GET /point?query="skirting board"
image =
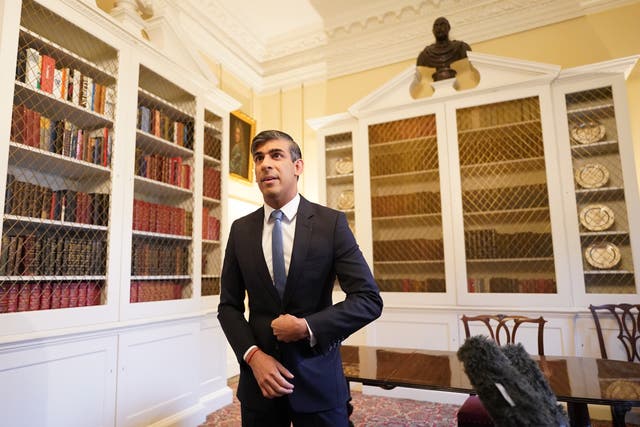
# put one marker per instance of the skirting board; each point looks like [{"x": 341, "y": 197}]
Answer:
[{"x": 197, "y": 414}]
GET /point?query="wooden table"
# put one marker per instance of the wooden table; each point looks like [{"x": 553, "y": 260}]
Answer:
[{"x": 576, "y": 380}]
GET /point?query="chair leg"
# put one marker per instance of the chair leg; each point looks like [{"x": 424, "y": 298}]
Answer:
[
  {"x": 578, "y": 414},
  {"x": 618, "y": 413}
]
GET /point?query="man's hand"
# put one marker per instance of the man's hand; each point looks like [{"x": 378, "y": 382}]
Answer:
[
  {"x": 288, "y": 328},
  {"x": 270, "y": 375}
]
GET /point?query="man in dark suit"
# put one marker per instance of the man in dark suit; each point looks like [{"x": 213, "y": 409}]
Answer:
[{"x": 289, "y": 349}]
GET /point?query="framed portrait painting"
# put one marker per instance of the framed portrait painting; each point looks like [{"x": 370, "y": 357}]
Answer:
[{"x": 241, "y": 132}]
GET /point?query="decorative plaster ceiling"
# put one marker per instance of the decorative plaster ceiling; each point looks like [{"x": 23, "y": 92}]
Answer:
[{"x": 270, "y": 44}]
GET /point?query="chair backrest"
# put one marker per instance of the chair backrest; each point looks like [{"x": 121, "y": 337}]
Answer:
[
  {"x": 628, "y": 318},
  {"x": 502, "y": 325}
]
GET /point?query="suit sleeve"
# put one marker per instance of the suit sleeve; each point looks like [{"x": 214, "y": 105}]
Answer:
[
  {"x": 231, "y": 307},
  {"x": 362, "y": 304}
]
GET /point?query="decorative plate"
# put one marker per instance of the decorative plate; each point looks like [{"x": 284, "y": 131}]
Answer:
[
  {"x": 596, "y": 217},
  {"x": 622, "y": 389},
  {"x": 344, "y": 165},
  {"x": 602, "y": 255},
  {"x": 346, "y": 200},
  {"x": 587, "y": 133},
  {"x": 592, "y": 175}
]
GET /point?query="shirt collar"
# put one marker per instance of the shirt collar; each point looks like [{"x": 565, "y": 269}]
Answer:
[{"x": 289, "y": 210}]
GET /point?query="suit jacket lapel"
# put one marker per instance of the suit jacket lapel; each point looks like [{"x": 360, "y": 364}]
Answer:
[
  {"x": 300, "y": 245},
  {"x": 254, "y": 236}
]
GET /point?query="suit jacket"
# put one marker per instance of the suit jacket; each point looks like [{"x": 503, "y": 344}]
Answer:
[{"x": 323, "y": 247}]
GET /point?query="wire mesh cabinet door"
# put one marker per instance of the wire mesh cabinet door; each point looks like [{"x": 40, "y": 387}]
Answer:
[
  {"x": 57, "y": 201},
  {"x": 596, "y": 148}
]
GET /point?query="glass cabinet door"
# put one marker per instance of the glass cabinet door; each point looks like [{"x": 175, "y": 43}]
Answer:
[
  {"x": 505, "y": 203},
  {"x": 607, "y": 261},
  {"x": 408, "y": 253}
]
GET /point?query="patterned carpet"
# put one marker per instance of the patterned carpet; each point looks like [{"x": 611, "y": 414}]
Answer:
[{"x": 371, "y": 411}]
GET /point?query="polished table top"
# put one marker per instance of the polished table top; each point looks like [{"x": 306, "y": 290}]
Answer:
[{"x": 573, "y": 379}]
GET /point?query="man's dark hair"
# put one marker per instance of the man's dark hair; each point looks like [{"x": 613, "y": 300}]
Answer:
[{"x": 268, "y": 135}]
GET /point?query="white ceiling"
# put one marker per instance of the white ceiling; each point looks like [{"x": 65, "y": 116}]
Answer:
[{"x": 270, "y": 44}]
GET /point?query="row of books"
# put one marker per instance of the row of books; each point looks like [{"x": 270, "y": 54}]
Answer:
[
  {"x": 211, "y": 186},
  {"x": 39, "y": 71},
  {"x": 505, "y": 198},
  {"x": 210, "y": 226},
  {"x": 155, "y": 290},
  {"x": 488, "y": 243},
  {"x": 516, "y": 143},
  {"x": 408, "y": 249},
  {"x": 414, "y": 158},
  {"x": 164, "y": 219},
  {"x": 498, "y": 114},
  {"x": 416, "y": 127},
  {"x": 212, "y": 143},
  {"x": 412, "y": 285},
  {"x": 30, "y": 128},
  {"x": 424, "y": 202},
  {"x": 36, "y": 201},
  {"x": 159, "y": 259},
  {"x": 52, "y": 255},
  {"x": 511, "y": 285},
  {"x": 210, "y": 286},
  {"x": 158, "y": 123},
  {"x": 170, "y": 170},
  {"x": 16, "y": 296}
]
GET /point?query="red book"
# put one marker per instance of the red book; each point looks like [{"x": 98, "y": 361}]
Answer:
[
  {"x": 34, "y": 296},
  {"x": 46, "y": 73},
  {"x": 45, "y": 296},
  {"x": 133, "y": 293},
  {"x": 23, "y": 298},
  {"x": 82, "y": 294},
  {"x": 93, "y": 293},
  {"x": 64, "y": 295},
  {"x": 56, "y": 295},
  {"x": 4, "y": 297},
  {"x": 12, "y": 302},
  {"x": 73, "y": 294}
]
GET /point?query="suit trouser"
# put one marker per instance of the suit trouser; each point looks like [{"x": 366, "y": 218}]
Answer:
[{"x": 283, "y": 416}]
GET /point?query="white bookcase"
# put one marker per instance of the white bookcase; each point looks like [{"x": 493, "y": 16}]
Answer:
[
  {"x": 110, "y": 243},
  {"x": 467, "y": 200}
]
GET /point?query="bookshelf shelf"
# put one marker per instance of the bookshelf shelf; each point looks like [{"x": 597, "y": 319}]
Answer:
[
  {"x": 210, "y": 242},
  {"x": 521, "y": 165},
  {"x": 402, "y": 141},
  {"x": 38, "y": 222},
  {"x": 58, "y": 109},
  {"x": 525, "y": 124},
  {"x": 44, "y": 162},
  {"x": 147, "y": 141},
  {"x": 24, "y": 278},
  {"x": 596, "y": 148},
  {"x": 602, "y": 108},
  {"x": 210, "y": 276},
  {"x": 161, "y": 277},
  {"x": 212, "y": 128},
  {"x": 346, "y": 178},
  {"x": 210, "y": 200},
  {"x": 510, "y": 215},
  {"x": 403, "y": 176},
  {"x": 174, "y": 111},
  {"x": 158, "y": 188},
  {"x": 212, "y": 161},
  {"x": 161, "y": 236}
]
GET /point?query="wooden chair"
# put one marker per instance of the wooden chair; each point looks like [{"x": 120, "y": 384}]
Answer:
[
  {"x": 502, "y": 329},
  {"x": 627, "y": 317}
]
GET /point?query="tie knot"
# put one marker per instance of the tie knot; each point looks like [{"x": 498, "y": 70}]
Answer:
[{"x": 277, "y": 215}]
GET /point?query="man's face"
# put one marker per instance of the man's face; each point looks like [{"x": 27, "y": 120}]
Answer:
[
  {"x": 276, "y": 174},
  {"x": 441, "y": 29}
]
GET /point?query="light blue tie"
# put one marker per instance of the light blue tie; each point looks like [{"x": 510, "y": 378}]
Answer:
[{"x": 277, "y": 253}]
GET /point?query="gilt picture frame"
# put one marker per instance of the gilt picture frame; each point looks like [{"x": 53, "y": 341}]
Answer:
[{"x": 241, "y": 132}]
